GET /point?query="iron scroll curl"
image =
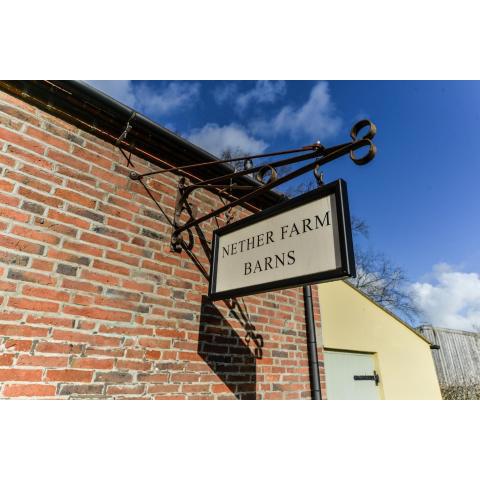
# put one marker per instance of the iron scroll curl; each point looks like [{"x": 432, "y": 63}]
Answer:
[{"x": 365, "y": 141}]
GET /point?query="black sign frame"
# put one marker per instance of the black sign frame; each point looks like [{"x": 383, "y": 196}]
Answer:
[{"x": 346, "y": 269}]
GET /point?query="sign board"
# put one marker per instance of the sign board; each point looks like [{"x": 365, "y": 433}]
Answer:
[{"x": 302, "y": 241}]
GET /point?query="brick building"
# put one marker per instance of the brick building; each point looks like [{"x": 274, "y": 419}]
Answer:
[{"x": 94, "y": 304}]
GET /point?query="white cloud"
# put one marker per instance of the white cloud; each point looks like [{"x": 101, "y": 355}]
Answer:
[
  {"x": 176, "y": 95},
  {"x": 316, "y": 117},
  {"x": 264, "y": 91},
  {"x": 450, "y": 298},
  {"x": 142, "y": 97},
  {"x": 216, "y": 139},
  {"x": 225, "y": 92}
]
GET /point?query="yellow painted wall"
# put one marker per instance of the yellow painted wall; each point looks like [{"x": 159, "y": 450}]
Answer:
[{"x": 350, "y": 321}]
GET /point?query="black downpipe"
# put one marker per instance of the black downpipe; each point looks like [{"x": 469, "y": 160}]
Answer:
[{"x": 316, "y": 393}]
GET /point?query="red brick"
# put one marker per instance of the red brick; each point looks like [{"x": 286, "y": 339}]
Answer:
[
  {"x": 47, "y": 138},
  {"x": 61, "y": 217},
  {"x": 126, "y": 204},
  {"x": 163, "y": 388},
  {"x": 6, "y": 186},
  {"x": 29, "y": 157},
  {"x": 46, "y": 175},
  {"x": 6, "y": 360},
  {"x": 20, "y": 245},
  {"x": 152, "y": 355},
  {"x": 86, "y": 324},
  {"x": 79, "y": 299},
  {"x": 125, "y": 389},
  {"x": 24, "y": 276},
  {"x": 20, "y": 375},
  {"x": 189, "y": 356},
  {"x": 163, "y": 332},
  {"x": 99, "y": 313},
  {"x": 22, "y": 141},
  {"x": 153, "y": 377},
  {"x": 83, "y": 286},
  {"x": 9, "y": 162},
  {"x": 34, "y": 390},
  {"x": 45, "y": 265},
  {"x": 13, "y": 215},
  {"x": 194, "y": 276},
  {"x": 40, "y": 198},
  {"x": 53, "y": 321},
  {"x": 37, "y": 235},
  {"x": 56, "y": 227},
  {"x": 83, "y": 248},
  {"x": 97, "y": 193},
  {"x": 27, "y": 304},
  {"x": 72, "y": 173},
  {"x": 139, "y": 286},
  {"x": 77, "y": 337},
  {"x": 69, "y": 375},
  {"x": 39, "y": 361},
  {"x": 7, "y": 286},
  {"x": 133, "y": 365},
  {"x": 18, "y": 114},
  {"x": 115, "y": 212},
  {"x": 161, "y": 268},
  {"x": 154, "y": 343},
  {"x": 113, "y": 377},
  {"x": 57, "y": 124},
  {"x": 18, "y": 345},
  {"x": 22, "y": 331},
  {"x": 51, "y": 294},
  {"x": 122, "y": 225},
  {"x": 131, "y": 331},
  {"x": 110, "y": 267},
  {"x": 97, "y": 277},
  {"x": 53, "y": 347},
  {"x": 9, "y": 200},
  {"x": 93, "y": 363},
  {"x": 118, "y": 257},
  {"x": 9, "y": 122},
  {"x": 195, "y": 388},
  {"x": 68, "y": 160},
  {"x": 104, "y": 149},
  {"x": 98, "y": 240},
  {"x": 132, "y": 353},
  {"x": 104, "y": 353},
  {"x": 116, "y": 303},
  {"x": 19, "y": 177},
  {"x": 74, "y": 197}
]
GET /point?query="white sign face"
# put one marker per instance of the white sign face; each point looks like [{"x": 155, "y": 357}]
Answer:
[{"x": 288, "y": 245}]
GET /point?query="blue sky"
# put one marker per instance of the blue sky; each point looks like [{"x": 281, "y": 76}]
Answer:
[{"x": 419, "y": 196}]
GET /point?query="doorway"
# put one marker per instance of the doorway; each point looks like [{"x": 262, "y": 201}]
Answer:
[{"x": 351, "y": 376}]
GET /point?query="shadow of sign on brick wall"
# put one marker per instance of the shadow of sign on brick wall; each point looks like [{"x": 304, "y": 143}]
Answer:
[{"x": 226, "y": 353}]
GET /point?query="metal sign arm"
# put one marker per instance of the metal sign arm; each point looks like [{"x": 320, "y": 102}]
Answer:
[{"x": 266, "y": 175}]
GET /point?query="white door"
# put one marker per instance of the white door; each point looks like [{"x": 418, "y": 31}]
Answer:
[{"x": 351, "y": 376}]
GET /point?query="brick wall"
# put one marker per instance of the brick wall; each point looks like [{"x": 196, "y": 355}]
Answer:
[{"x": 95, "y": 305}]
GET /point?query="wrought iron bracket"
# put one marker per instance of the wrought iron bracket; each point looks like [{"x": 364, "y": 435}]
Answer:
[{"x": 266, "y": 177}]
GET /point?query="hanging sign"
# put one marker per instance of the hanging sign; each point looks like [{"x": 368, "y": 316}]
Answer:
[{"x": 302, "y": 241}]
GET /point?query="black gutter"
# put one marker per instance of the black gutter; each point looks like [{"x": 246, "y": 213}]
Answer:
[
  {"x": 316, "y": 393},
  {"x": 86, "y": 107}
]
